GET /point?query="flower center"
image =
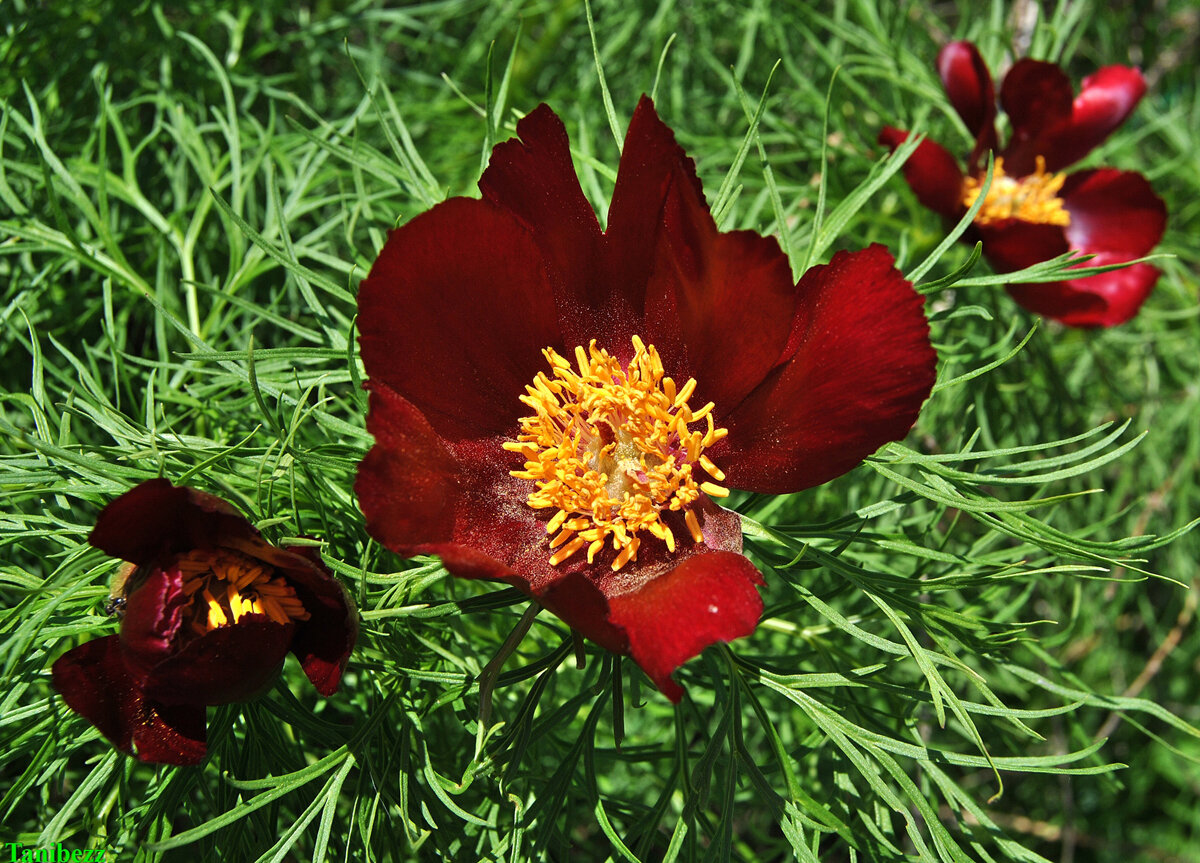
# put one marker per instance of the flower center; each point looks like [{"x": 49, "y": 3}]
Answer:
[
  {"x": 611, "y": 451},
  {"x": 224, "y": 585},
  {"x": 1032, "y": 198}
]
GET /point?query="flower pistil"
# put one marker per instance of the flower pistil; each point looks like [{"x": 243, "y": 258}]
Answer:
[
  {"x": 611, "y": 450},
  {"x": 1033, "y": 198}
]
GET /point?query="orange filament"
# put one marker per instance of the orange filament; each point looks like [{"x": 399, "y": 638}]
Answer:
[
  {"x": 226, "y": 585},
  {"x": 1032, "y": 198},
  {"x": 611, "y": 451}
]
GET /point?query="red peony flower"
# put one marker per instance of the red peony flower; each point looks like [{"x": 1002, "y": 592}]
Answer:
[
  {"x": 210, "y": 611},
  {"x": 1032, "y": 211},
  {"x": 555, "y": 406}
]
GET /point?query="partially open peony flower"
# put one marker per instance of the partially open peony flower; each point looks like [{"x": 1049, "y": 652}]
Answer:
[
  {"x": 1032, "y": 211},
  {"x": 210, "y": 611},
  {"x": 557, "y": 406}
]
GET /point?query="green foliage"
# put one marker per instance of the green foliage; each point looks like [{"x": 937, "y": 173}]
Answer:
[{"x": 966, "y": 639}]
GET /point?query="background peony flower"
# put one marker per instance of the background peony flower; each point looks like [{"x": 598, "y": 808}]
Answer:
[
  {"x": 1032, "y": 213},
  {"x": 210, "y": 611},
  {"x": 470, "y": 305}
]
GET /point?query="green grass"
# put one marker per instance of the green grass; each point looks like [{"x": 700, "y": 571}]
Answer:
[{"x": 979, "y": 645}]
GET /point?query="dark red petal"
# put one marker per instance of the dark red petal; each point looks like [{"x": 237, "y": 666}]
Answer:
[
  {"x": 1102, "y": 300},
  {"x": 1036, "y": 96},
  {"x": 156, "y": 519},
  {"x": 707, "y": 598},
  {"x": 94, "y": 682},
  {"x": 576, "y": 600},
  {"x": 599, "y": 280},
  {"x": 862, "y": 367},
  {"x": 1113, "y": 211},
  {"x": 931, "y": 172},
  {"x": 175, "y": 734},
  {"x": 1106, "y": 99},
  {"x": 323, "y": 642},
  {"x": 154, "y": 614},
  {"x": 534, "y": 179},
  {"x": 651, "y": 161},
  {"x": 230, "y": 663},
  {"x": 587, "y": 597},
  {"x": 968, "y": 83},
  {"x": 454, "y": 316},
  {"x": 718, "y": 305},
  {"x": 407, "y": 486},
  {"x": 1014, "y": 245}
]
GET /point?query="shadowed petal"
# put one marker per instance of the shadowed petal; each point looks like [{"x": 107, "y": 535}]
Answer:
[
  {"x": 534, "y": 179},
  {"x": 931, "y": 172},
  {"x": 707, "y": 598},
  {"x": 1037, "y": 96},
  {"x": 1102, "y": 300},
  {"x": 651, "y": 160},
  {"x": 322, "y": 643},
  {"x": 719, "y": 305},
  {"x": 576, "y": 600},
  {"x": 1113, "y": 211},
  {"x": 407, "y": 485},
  {"x": 156, "y": 519},
  {"x": 154, "y": 615},
  {"x": 171, "y": 734},
  {"x": 454, "y": 316},
  {"x": 229, "y": 663},
  {"x": 862, "y": 367},
  {"x": 94, "y": 682},
  {"x": 968, "y": 83},
  {"x": 1014, "y": 245}
]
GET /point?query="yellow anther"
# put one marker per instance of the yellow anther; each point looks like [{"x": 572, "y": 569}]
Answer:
[
  {"x": 686, "y": 392},
  {"x": 272, "y": 610},
  {"x": 609, "y": 450},
  {"x": 566, "y": 551},
  {"x": 234, "y": 599},
  {"x": 225, "y": 586},
  {"x": 556, "y": 522},
  {"x": 693, "y": 525},
  {"x": 216, "y": 614},
  {"x": 1032, "y": 198},
  {"x": 711, "y": 469}
]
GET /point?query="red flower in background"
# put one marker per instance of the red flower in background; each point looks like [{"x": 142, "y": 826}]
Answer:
[
  {"x": 210, "y": 611},
  {"x": 1033, "y": 213},
  {"x": 554, "y": 405}
]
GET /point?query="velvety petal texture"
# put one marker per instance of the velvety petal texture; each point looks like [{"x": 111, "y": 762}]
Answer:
[
  {"x": 1106, "y": 98},
  {"x": 1037, "y": 98},
  {"x": 807, "y": 378},
  {"x": 1114, "y": 215},
  {"x": 95, "y": 683},
  {"x": 862, "y": 367},
  {"x": 146, "y": 688}
]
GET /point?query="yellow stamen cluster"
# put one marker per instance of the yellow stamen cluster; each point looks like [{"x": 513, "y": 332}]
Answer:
[
  {"x": 225, "y": 585},
  {"x": 1033, "y": 198},
  {"x": 610, "y": 449}
]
